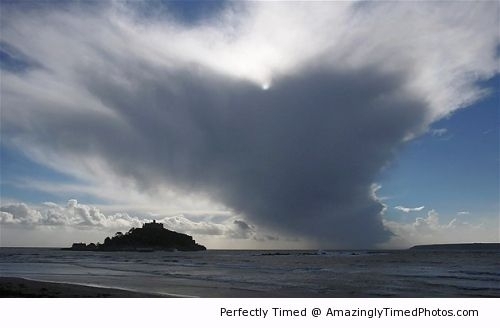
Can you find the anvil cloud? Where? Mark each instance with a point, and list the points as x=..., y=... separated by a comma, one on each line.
x=282, y=113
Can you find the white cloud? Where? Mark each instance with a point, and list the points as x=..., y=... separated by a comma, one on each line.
x=230, y=227
x=20, y=214
x=438, y=132
x=124, y=194
x=430, y=230
x=7, y=218
x=73, y=214
x=409, y=209
x=83, y=217
x=263, y=42
x=463, y=213
x=180, y=223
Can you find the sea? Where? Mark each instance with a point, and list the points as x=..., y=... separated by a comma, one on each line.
x=261, y=273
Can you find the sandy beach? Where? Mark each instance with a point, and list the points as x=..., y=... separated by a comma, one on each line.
x=19, y=287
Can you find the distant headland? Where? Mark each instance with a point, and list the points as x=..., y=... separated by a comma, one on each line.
x=459, y=247
x=152, y=236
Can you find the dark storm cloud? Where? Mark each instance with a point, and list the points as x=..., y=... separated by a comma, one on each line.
x=284, y=130
x=299, y=157
x=242, y=225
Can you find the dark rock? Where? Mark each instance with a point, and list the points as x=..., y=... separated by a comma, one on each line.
x=79, y=247
x=152, y=236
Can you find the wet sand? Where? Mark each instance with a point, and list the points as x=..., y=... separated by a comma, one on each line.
x=19, y=287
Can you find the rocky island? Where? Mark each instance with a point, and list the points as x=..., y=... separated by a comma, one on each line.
x=152, y=236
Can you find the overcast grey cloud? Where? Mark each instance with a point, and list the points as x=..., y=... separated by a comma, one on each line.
x=283, y=113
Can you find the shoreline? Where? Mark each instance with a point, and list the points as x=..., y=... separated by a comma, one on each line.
x=16, y=287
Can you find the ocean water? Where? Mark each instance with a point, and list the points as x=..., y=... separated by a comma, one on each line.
x=256, y=273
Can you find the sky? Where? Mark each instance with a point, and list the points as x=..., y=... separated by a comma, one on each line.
x=251, y=124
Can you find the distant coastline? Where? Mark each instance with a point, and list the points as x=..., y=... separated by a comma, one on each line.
x=458, y=247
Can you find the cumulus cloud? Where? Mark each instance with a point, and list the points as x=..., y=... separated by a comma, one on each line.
x=19, y=213
x=431, y=230
x=282, y=112
x=82, y=216
x=73, y=214
x=182, y=224
x=242, y=230
x=409, y=209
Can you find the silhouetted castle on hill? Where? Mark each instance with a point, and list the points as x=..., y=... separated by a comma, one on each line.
x=152, y=236
x=152, y=225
